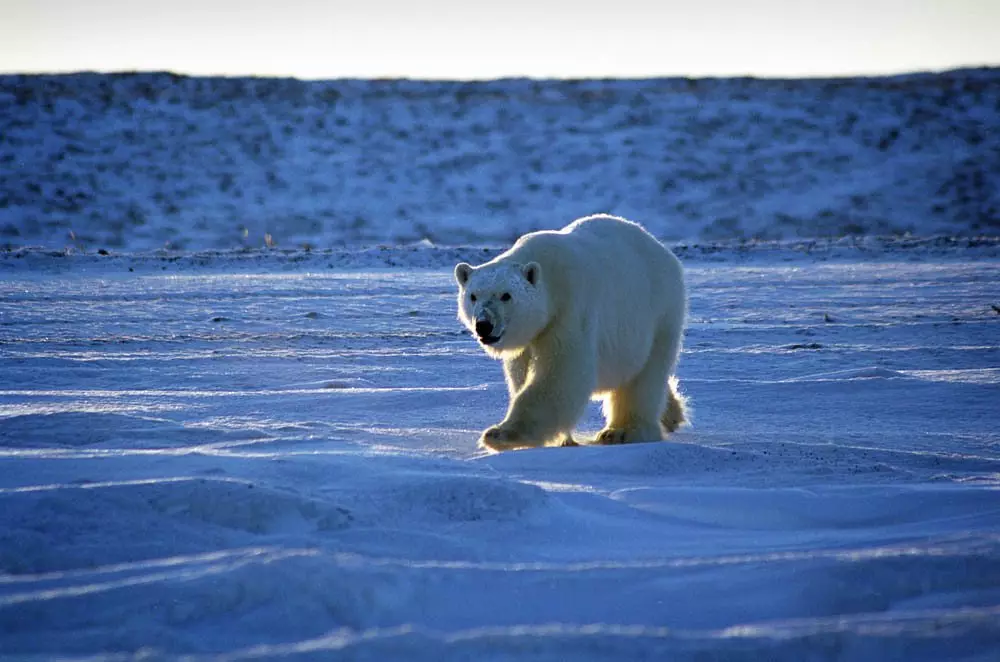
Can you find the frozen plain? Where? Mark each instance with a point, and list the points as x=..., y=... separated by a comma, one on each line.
x=272, y=455
x=243, y=454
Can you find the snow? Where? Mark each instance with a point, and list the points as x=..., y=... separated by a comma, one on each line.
x=250, y=454
x=218, y=449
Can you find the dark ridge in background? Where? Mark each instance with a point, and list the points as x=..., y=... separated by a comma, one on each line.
x=138, y=161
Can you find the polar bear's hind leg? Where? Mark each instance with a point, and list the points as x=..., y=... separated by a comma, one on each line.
x=676, y=413
x=635, y=410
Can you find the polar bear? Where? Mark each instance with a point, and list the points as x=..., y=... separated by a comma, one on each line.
x=595, y=310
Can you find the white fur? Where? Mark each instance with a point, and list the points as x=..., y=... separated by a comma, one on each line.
x=595, y=310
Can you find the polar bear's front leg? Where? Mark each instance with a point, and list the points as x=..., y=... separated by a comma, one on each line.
x=515, y=370
x=505, y=438
x=550, y=403
x=498, y=438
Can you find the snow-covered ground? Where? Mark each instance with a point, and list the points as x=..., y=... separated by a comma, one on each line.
x=147, y=161
x=238, y=416
x=266, y=454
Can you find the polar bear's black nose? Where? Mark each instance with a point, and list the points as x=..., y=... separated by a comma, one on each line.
x=484, y=328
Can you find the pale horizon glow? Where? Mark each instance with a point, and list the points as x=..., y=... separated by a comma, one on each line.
x=450, y=39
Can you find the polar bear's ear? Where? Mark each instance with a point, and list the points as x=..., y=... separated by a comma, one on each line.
x=462, y=273
x=532, y=272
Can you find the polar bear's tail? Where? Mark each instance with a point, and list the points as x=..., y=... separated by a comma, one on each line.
x=677, y=413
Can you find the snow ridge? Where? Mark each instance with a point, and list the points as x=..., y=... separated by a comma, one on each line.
x=152, y=160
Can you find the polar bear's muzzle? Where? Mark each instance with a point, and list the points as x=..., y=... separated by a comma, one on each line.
x=487, y=331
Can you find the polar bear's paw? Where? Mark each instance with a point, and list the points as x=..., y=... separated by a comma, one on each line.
x=610, y=436
x=500, y=438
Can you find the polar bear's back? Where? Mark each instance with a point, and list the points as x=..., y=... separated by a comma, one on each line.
x=608, y=263
x=613, y=282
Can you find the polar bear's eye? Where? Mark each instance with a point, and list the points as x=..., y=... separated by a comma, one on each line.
x=472, y=298
x=505, y=296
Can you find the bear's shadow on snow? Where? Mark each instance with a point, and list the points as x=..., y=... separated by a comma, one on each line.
x=763, y=462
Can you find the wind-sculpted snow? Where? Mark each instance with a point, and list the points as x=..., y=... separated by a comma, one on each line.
x=148, y=161
x=234, y=458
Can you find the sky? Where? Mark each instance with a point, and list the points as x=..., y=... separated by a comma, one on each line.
x=466, y=39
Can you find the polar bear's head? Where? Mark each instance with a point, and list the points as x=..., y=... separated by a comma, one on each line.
x=504, y=304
